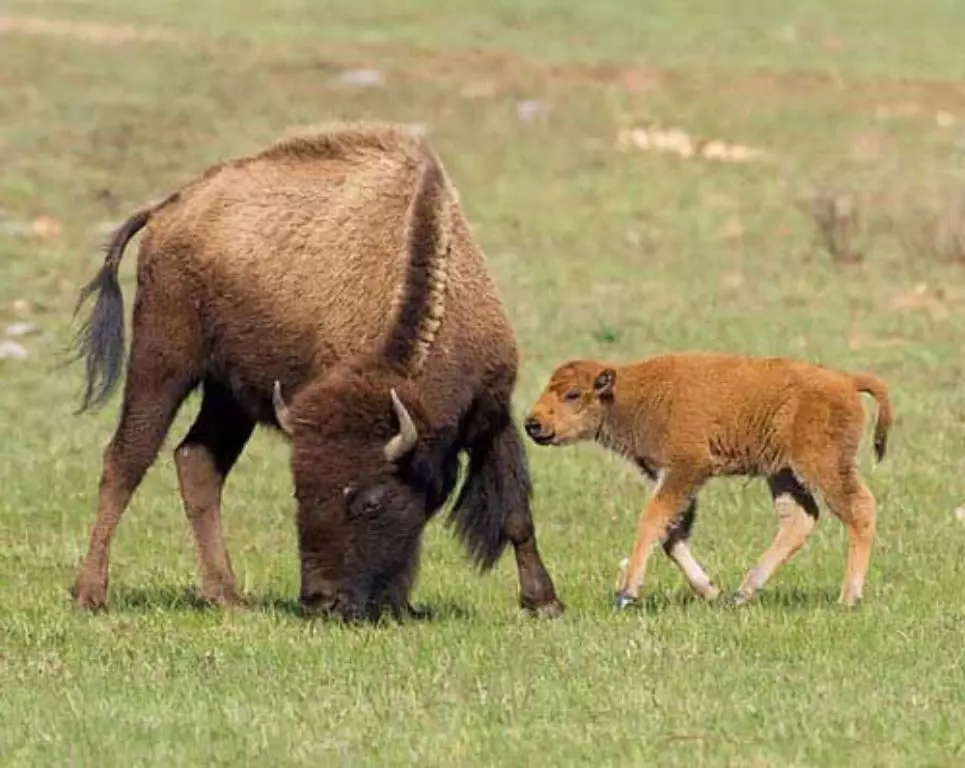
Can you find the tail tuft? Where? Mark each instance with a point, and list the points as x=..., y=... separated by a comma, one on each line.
x=881, y=445
x=100, y=338
x=866, y=382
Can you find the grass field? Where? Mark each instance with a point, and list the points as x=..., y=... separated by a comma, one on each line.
x=598, y=250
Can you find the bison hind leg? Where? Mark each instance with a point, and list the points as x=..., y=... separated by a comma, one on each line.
x=158, y=380
x=203, y=459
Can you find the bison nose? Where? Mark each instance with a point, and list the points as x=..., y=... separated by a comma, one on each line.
x=534, y=428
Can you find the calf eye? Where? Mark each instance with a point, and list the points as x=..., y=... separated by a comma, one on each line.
x=571, y=395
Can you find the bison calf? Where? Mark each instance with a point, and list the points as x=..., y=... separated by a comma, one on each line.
x=685, y=418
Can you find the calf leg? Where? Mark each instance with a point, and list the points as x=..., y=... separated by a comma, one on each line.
x=204, y=458
x=676, y=545
x=673, y=494
x=155, y=387
x=798, y=513
x=852, y=502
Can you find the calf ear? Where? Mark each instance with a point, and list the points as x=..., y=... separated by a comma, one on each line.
x=603, y=384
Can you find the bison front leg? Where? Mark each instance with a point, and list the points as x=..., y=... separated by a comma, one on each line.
x=493, y=508
x=536, y=591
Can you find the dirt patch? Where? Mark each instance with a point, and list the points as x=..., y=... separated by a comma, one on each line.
x=99, y=33
x=496, y=70
x=503, y=70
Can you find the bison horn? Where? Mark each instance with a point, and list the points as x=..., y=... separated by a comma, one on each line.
x=408, y=436
x=282, y=412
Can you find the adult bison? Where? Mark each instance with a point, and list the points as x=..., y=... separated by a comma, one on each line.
x=335, y=270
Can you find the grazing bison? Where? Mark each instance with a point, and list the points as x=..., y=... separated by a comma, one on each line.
x=328, y=285
x=685, y=418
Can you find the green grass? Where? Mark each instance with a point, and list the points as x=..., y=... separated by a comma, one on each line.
x=597, y=252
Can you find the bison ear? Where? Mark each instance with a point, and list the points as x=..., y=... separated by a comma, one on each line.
x=603, y=384
x=282, y=412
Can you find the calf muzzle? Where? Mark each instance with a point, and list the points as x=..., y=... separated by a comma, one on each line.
x=537, y=432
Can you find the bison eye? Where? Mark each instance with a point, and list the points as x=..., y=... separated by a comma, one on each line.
x=571, y=395
x=368, y=501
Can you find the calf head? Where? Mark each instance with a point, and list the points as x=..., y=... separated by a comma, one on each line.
x=573, y=405
x=368, y=470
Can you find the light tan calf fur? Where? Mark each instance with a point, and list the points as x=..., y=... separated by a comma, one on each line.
x=685, y=418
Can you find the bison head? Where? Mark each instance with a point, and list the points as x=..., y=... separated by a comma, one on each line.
x=368, y=468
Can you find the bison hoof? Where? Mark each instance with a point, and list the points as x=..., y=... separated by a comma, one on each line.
x=89, y=597
x=223, y=598
x=624, y=600
x=416, y=613
x=552, y=609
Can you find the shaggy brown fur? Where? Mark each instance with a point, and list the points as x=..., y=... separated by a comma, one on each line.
x=339, y=264
x=688, y=417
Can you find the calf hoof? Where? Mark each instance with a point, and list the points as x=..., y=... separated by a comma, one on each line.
x=624, y=600
x=89, y=596
x=712, y=592
x=737, y=599
x=850, y=605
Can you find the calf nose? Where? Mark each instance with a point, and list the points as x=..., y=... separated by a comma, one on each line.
x=533, y=427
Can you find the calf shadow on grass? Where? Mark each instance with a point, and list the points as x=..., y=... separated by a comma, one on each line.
x=788, y=598
x=796, y=598
x=190, y=600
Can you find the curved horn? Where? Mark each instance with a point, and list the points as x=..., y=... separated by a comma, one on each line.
x=282, y=413
x=408, y=435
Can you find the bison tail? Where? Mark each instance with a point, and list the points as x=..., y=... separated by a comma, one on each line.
x=496, y=492
x=865, y=382
x=100, y=339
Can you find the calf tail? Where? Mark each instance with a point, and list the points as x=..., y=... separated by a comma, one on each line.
x=866, y=382
x=100, y=339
